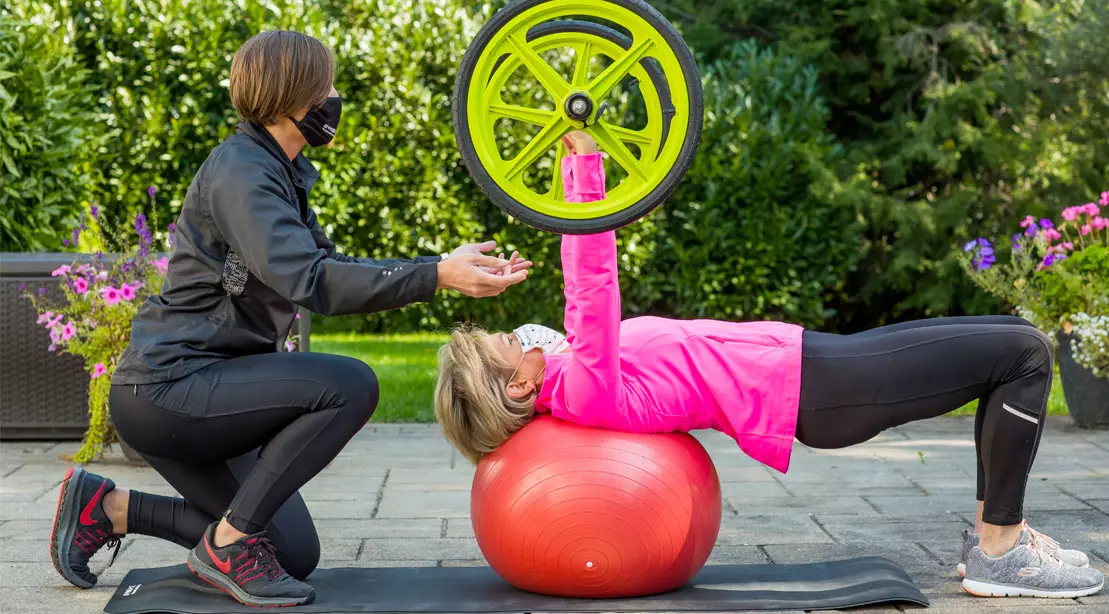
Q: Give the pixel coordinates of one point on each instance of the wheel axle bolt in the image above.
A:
(578, 106)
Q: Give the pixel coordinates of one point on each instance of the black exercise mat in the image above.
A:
(440, 590)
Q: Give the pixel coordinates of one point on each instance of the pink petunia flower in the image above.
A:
(44, 318)
(62, 270)
(80, 286)
(162, 264)
(1100, 222)
(1091, 209)
(1071, 212)
(289, 347)
(1104, 199)
(127, 292)
(54, 321)
(68, 331)
(1028, 221)
(1052, 235)
(98, 369)
(110, 295)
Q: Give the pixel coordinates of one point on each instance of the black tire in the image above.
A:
(619, 219)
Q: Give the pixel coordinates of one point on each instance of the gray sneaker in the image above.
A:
(1074, 558)
(1028, 570)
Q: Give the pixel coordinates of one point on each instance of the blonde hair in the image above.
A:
(471, 403)
(276, 73)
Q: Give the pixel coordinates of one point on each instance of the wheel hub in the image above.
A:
(579, 107)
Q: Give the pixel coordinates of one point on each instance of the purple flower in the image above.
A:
(76, 233)
(95, 211)
(1031, 232)
(1046, 223)
(969, 246)
(986, 252)
(152, 191)
(22, 287)
(65, 242)
(140, 223)
(984, 242)
(42, 290)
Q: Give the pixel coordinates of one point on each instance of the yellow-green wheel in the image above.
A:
(584, 57)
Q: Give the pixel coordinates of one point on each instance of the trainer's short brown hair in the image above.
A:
(278, 72)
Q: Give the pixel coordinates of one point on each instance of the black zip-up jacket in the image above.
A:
(247, 251)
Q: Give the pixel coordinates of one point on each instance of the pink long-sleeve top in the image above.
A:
(653, 374)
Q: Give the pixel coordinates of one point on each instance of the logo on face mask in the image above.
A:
(320, 123)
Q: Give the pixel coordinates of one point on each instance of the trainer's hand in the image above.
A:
(518, 264)
(469, 274)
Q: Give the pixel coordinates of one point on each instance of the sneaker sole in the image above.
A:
(65, 516)
(990, 589)
(215, 578)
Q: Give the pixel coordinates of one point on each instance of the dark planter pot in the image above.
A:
(45, 396)
(1087, 395)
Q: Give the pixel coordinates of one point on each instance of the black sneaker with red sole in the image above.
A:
(81, 527)
(248, 570)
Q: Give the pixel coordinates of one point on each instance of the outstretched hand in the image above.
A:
(469, 271)
(512, 265)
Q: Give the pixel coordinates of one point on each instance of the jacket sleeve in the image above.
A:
(250, 210)
(592, 318)
(324, 242)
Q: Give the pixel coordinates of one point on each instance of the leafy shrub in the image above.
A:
(760, 228)
(962, 117)
(47, 125)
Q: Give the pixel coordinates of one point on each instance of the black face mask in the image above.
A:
(319, 124)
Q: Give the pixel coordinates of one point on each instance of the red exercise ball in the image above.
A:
(572, 511)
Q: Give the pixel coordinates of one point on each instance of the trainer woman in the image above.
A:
(204, 392)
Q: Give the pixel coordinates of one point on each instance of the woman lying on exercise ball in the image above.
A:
(204, 392)
(766, 383)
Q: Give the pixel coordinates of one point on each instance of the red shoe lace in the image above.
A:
(92, 540)
(258, 560)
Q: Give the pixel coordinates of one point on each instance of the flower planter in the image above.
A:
(1087, 395)
(45, 396)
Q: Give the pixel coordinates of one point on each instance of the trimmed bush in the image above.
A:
(47, 127)
(760, 228)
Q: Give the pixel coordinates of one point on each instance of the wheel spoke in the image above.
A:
(611, 144)
(612, 75)
(581, 67)
(536, 147)
(548, 77)
(539, 117)
(556, 179)
(627, 135)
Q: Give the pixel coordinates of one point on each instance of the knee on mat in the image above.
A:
(300, 554)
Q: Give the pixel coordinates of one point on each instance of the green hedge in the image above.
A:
(763, 228)
(846, 153)
(47, 125)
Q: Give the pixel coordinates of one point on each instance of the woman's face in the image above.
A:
(507, 346)
(299, 115)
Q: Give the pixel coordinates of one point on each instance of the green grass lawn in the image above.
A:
(406, 369)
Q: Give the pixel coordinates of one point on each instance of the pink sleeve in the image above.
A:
(592, 300)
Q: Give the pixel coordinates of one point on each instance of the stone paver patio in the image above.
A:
(398, 496)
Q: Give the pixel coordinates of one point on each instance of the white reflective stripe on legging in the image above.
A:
(1019, 414)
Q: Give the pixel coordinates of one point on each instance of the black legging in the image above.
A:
(855, 386)
(238, 439)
